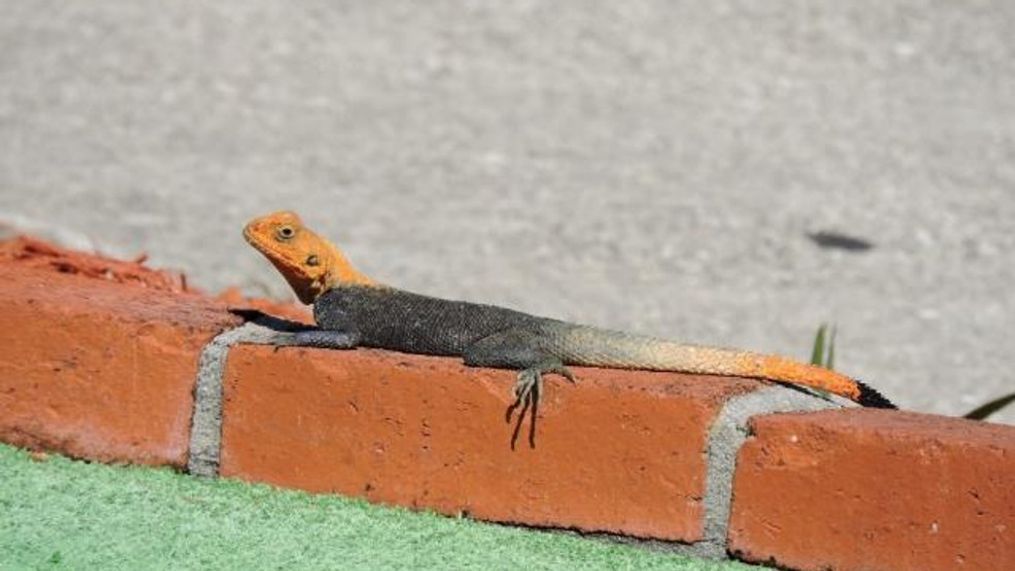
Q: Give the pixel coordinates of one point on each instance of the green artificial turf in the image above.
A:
(64, 514)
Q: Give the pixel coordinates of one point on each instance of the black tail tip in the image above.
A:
(872, 399)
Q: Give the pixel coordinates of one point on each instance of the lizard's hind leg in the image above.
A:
(530, 380)
(528, 391)
(518, 349)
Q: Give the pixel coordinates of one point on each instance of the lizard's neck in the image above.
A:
(333, 270)
(341, 272)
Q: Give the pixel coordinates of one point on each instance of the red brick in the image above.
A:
(98, 369)
(862, 489)
(622, 452)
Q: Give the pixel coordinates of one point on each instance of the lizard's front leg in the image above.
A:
(327, 339)
(292, 333)
(336, 329)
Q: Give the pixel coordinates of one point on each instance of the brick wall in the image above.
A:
(111, 361)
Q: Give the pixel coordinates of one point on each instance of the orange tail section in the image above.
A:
(581, 345)
(786, 370)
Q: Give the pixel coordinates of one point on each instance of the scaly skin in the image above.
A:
(352, 309)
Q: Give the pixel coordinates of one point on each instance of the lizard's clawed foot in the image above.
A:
(528, 390)
(530, 381)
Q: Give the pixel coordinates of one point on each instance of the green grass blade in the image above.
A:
(818, 352)
(983, 411)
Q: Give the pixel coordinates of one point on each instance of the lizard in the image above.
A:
(351, 309)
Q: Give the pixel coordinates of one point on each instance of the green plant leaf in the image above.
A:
(818, 352)
(984, 410)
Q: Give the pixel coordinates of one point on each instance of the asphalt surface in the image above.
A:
(649, 166)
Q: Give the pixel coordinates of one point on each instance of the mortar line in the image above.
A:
(205, 446)
(727, 435)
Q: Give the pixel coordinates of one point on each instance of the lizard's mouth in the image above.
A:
(254, 235)
(248, 234)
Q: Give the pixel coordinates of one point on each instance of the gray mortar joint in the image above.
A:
(206, 425)
(728, 432)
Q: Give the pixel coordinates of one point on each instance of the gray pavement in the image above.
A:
(647, 166)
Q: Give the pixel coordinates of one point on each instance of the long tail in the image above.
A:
(601, 348)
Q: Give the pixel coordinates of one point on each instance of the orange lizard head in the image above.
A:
(310, 264)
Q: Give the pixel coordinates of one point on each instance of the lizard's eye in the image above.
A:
(285, 232)
(312, 260)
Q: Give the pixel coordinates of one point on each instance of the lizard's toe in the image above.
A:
(567, 374)
(527, 384)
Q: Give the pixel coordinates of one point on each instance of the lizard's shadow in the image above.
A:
(531, 402)
(263, 319)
